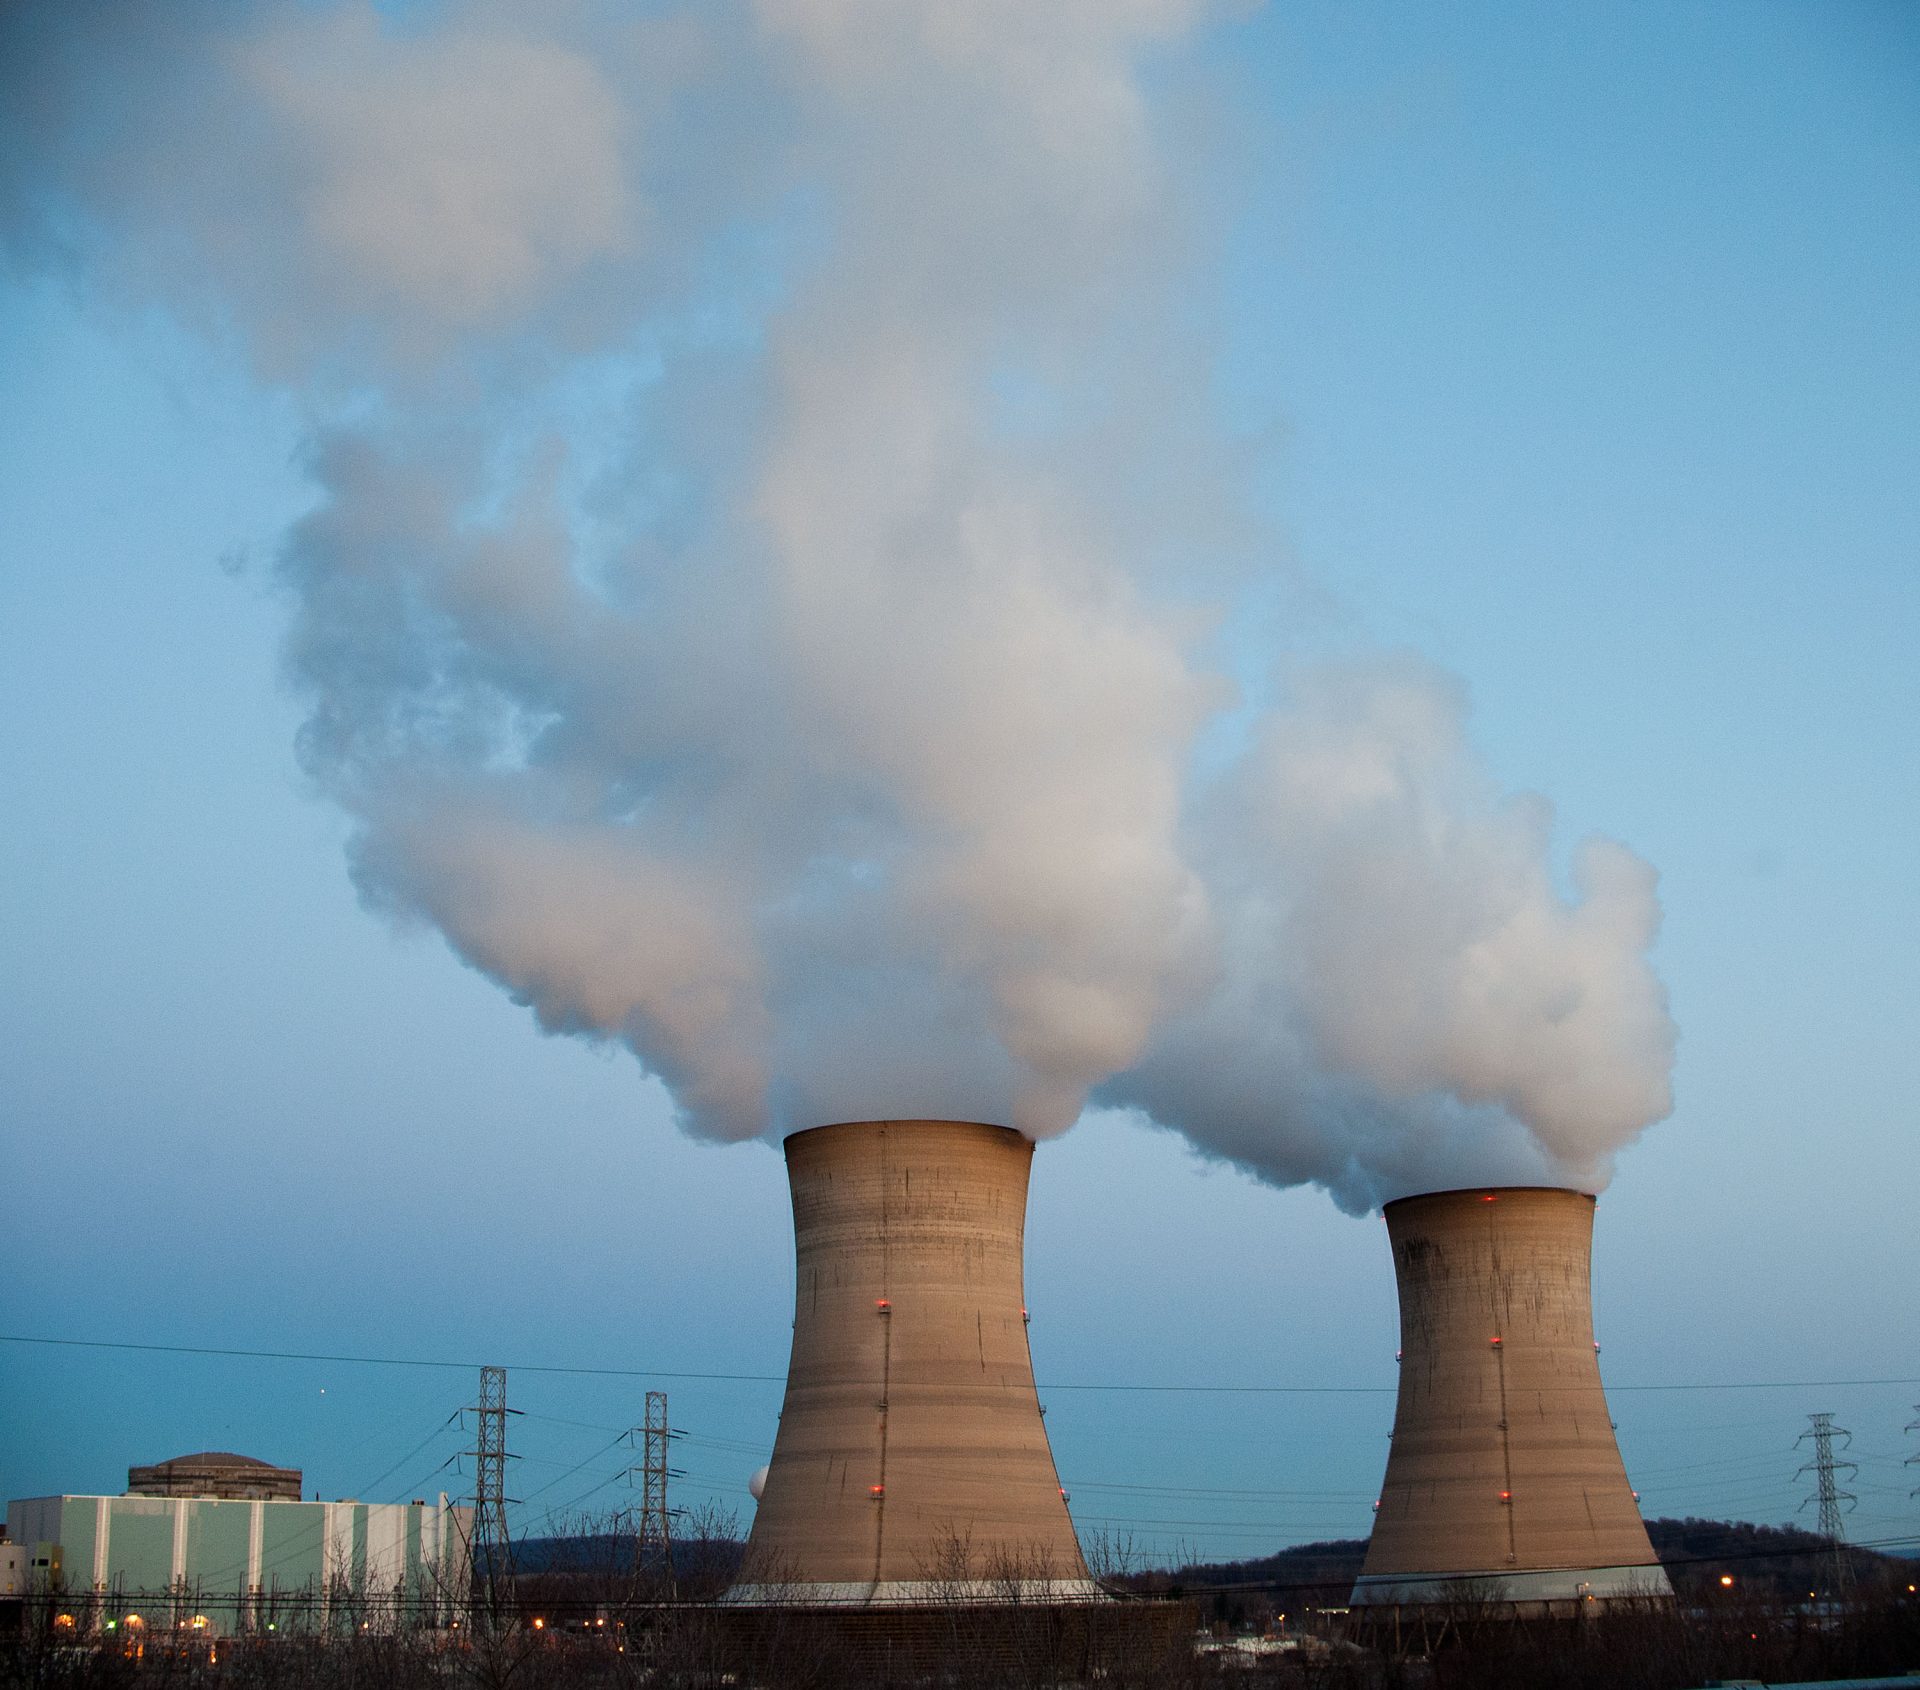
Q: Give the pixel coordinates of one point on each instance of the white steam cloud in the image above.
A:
(1405, 1000)
(770, 540)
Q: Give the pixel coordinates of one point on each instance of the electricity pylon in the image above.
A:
(492, 1547)
(654, 1547)
(1823, 1466)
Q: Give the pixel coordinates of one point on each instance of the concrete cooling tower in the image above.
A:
(911, 1464)
(1505, 1483)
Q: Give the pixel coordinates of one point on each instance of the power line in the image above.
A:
(554, 1483)
(1189, 1490)
(437, 1432)
(401, 1361)
(780, 1378)
(561, 1512)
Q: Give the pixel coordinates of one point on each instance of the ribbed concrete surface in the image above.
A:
(1504, 1467)
(911, 1462)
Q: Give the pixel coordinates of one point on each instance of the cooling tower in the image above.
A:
(1505, 1483)
(911, 1464)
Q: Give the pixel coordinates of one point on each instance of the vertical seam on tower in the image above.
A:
(1500, 1370)
(1506, 1451)
(886, 1358)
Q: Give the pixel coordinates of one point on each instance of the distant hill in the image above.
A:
(1781, 1561)
(1765, 1561)
(604, 1553)
(1256, 1591)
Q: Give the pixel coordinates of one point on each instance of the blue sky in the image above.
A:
(1574, 350)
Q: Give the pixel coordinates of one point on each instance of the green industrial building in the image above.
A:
(231, 1565)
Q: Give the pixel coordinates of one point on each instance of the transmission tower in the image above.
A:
(492, 1547)
(653, 1549)
(1914, 1460)
(1823, 1467)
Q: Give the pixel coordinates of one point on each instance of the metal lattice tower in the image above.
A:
(1913, 1460)
(492, 1548)
(655, 1546)
(1823, 1466)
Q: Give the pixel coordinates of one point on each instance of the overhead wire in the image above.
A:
(780, 1378)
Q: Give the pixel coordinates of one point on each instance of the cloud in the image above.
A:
(1399, 954)
(762, 599)
(460, 176)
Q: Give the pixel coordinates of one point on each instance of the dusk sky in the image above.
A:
(582, 587)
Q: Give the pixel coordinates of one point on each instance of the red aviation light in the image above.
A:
(1506, 1496)
(876, 1491)
(882, 1305)
(1490, 1198)
(1495, 1342)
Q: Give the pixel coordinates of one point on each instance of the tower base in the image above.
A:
(1536, 1588)
(1045, 1641)
(916, 1593)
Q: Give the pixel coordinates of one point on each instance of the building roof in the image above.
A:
(214, 1458)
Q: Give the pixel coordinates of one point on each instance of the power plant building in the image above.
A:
(225, 1565)
(1504, 1485)
(911, 1463)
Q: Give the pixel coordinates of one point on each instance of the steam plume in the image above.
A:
(751, 606)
